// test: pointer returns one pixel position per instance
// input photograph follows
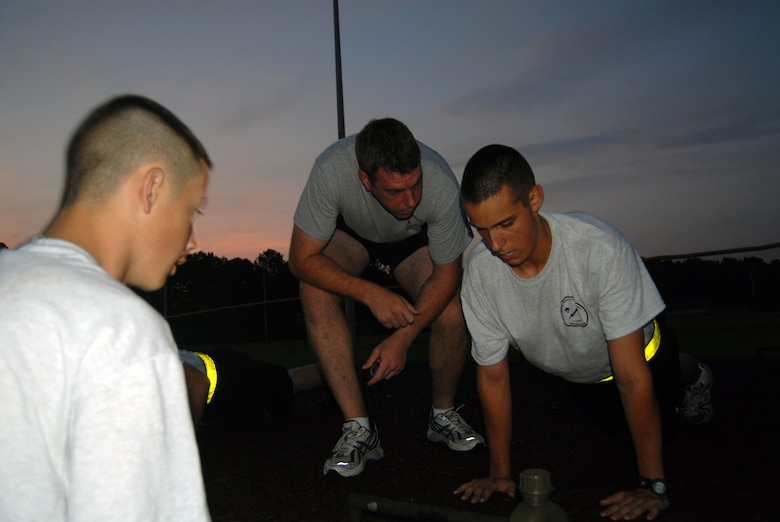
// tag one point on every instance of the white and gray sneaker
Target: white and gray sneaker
(450, 428)
(357, 446)
(697, 407)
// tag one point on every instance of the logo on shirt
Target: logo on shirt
(573, 313)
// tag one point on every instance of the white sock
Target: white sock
(437, 411)
(363, 421)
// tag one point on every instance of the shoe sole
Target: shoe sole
(372, 456)
(454, 446)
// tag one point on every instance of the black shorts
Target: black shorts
(247, 390)
(602, 400)
(386, 257)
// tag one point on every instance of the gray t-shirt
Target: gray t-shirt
(334, 188)
(593, 288)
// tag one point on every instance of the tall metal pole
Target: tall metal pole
(265, 310)
(339, 89)
(349, 304)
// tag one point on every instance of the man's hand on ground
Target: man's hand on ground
(628, 505)
(480, 490)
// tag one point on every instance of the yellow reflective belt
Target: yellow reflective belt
(650, 350)
(211, 373)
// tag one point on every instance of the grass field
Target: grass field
(728, 334)
(273, 470)
(705, 335)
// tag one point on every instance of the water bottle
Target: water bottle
(535, 487)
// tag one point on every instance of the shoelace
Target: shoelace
(348, 441)
(454, 418)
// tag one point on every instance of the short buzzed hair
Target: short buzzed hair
(387, 144)
(490, 169)
(117, 137)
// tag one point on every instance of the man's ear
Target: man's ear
(365, 180)
(536, 198)
(151, 187)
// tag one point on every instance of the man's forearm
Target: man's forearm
(635, 384)
(438, 290)
(644, 423)
(322, 272)
(309, 263)
(496, 399)
(436, 293)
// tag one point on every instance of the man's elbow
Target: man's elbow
(635, 386)
(295, 262)
(294, 266)
(301, 250)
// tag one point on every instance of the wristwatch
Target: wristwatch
(656, 486)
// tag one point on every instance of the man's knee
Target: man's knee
(451, 320)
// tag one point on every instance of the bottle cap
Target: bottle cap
(535, 481)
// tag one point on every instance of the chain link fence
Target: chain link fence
(745, 280)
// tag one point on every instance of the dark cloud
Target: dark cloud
(659, 139)
(736, 132)
(598, 43)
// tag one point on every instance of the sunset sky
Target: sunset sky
(663, 117)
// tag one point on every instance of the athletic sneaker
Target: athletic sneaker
(697, 402)
(356, 447)
(450, 428)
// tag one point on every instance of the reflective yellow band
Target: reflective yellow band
(650, 349)
(211, 373)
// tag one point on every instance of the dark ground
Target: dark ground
(725, 470)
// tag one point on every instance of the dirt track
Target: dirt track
(726, 470)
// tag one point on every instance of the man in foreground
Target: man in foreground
(96, 420)
(382, 199)
(572, 294)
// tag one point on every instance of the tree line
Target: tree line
(261, 296)
(216, 299)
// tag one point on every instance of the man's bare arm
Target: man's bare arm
(436, 292)
(496, 400)
(309, 263)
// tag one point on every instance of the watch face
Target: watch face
(658, 487)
